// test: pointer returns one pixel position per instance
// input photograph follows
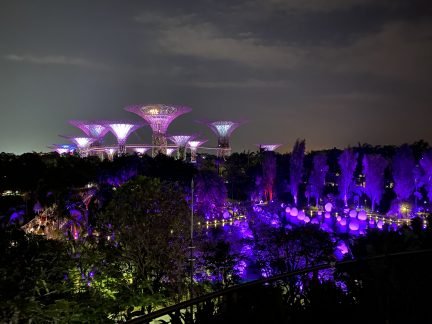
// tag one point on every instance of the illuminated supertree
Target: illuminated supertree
(110, 152)
(223, 129)
(159, 117)
(121, 131)
(268, 147)
(181, 141)
(193, 145)
(95, 129)
(82, 143)
(63, 148)
(141, 150)
(170, 150)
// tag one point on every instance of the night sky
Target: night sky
(335, 72)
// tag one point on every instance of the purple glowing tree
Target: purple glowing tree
(95, 129)
(269, 174)
(296, 168)
(223, 129)
(193, 145)
(374, 166)
(317, 177)
(82, 143)
(63, 148)
(268, 147)
(403, 166)
(141, 150)
(181, 141)
(426, 165)
(121, 131)
(159, 117)
(347, 163)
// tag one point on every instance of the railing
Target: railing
(189, 304)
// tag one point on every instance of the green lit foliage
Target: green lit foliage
(147, 224)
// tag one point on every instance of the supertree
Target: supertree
(141, 150)
(268, 147)
(63, 148)
(159, 117)
(170, 150)
(82, 143)
(121, 131)
(193, 145)
(181, 142)
(223, 129)
(91, 128)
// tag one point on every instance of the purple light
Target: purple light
(269, 147)
(121, 131)
(223, 129)
(170, 151)
(141, 150)
(63, 148)
(91, 128)
(193, 145)
(181, 140)
(159, 117)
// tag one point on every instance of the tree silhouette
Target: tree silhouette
(374, 166)
(347, 162)
(317, 177)
(296, 168)
(403, 165)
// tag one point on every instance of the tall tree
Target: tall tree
(347, 162)
(317, 177)
(148, 221)
(426, 165)
(296, 168)
(403, 165)
(269, 174)
(374, 166)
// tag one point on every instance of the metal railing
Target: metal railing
(210, 296)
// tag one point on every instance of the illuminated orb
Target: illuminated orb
(287, 210)
(343, 222)
(354, 224)
(371, 222)
(362, 215)
(294, 212)
(319, 213)
(314, 221)
(327, 215)
(307, 219)
(380, 224)
(352, 213)
(328, 207)
(226, 214)
(301, 215)
(338, 218)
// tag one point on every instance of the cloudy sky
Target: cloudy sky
(335, 72)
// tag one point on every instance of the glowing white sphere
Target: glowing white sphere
(328, 207)
(301, 215)
(354, 224)
(319, 213)
(371, 221)
(226, 214)
(287, 210)
(362, 215)
(307, 219)
(352, 213)
(338, 218)
(327, 215)
(380, 224)
(343, 221)
(294, 212)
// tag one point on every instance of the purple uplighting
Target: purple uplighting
(159, 117)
